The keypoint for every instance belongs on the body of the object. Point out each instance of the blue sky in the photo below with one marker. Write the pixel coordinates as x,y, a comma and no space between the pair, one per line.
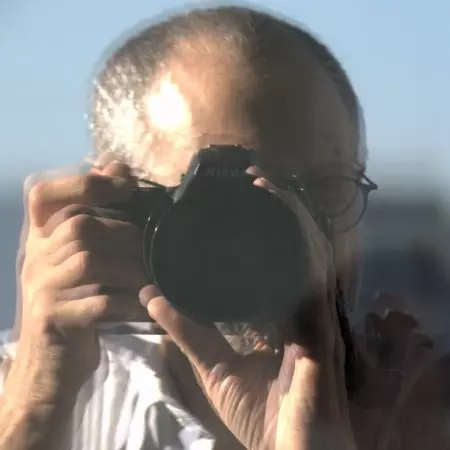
397,53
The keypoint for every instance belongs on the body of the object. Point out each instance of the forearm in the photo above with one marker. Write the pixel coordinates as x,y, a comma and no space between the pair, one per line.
36,403
30,428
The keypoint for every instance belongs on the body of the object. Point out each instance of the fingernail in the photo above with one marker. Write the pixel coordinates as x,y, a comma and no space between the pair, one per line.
148,293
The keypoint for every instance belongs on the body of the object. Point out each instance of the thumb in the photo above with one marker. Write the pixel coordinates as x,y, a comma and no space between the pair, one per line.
304,384
313,403
204,346
298,407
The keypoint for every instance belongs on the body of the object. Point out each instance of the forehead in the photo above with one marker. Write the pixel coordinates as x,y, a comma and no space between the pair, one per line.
292,113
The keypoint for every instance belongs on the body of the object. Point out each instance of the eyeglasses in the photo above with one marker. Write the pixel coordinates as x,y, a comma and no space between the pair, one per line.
342,198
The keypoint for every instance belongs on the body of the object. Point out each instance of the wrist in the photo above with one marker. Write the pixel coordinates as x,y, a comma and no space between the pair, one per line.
44,370
33,425
36,403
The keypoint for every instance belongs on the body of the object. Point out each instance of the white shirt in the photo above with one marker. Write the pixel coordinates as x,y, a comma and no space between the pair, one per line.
126,404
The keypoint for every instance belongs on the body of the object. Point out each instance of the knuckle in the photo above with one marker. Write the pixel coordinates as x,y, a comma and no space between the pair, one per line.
96,289
90,185
74,247
34,267
70,211
83,262
41,305
101,306
36,195
79,226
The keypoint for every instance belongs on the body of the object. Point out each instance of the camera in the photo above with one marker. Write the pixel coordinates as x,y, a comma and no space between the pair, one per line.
219,248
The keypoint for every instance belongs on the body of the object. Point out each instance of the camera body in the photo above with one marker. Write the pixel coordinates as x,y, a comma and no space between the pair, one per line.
219,248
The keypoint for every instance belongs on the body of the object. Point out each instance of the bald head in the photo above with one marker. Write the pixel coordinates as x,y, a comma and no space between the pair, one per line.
232,75
224,76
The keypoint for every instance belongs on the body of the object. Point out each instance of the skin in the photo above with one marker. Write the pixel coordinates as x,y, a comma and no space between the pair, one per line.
258,401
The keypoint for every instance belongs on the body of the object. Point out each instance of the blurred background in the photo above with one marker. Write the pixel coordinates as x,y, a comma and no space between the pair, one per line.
396,53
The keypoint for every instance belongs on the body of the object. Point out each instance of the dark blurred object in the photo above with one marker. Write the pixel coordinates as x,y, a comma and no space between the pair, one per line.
407,254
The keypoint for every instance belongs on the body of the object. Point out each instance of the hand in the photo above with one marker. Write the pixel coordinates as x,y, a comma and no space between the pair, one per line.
293,401
79,268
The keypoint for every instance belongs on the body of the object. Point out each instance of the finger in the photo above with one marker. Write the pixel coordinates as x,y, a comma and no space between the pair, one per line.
106,159
89,311
205,347
315,391
277,188
119,240
71,211
96,268
261,179
46,197
87,233
256,172
275,179
117,170
80,292
96,170
267,185
135,312
299,404
304,383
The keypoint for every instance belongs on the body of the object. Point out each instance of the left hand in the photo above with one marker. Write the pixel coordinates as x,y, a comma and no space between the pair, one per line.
296,401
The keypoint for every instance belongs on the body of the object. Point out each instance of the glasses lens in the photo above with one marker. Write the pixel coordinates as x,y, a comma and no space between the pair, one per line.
348,219
342,199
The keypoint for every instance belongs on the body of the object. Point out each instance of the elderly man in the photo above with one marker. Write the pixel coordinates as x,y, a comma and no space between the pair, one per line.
228,76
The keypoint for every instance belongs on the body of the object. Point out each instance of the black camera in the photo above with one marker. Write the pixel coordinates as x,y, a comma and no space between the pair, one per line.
219,248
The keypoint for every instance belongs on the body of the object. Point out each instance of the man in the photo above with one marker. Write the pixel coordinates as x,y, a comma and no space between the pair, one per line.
220,76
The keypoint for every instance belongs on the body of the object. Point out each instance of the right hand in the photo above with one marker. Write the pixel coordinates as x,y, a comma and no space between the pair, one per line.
79,269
